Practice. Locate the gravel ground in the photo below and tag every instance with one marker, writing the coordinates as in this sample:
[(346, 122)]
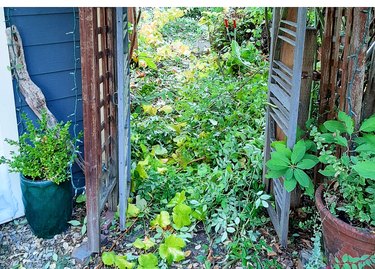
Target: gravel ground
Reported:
[(19, 248)]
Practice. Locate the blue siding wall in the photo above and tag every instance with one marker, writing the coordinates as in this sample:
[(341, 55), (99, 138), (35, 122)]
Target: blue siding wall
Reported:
[(52, 56)]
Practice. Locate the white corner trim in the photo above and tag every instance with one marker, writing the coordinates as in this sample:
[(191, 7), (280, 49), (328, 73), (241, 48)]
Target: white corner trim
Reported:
[(11, 205)]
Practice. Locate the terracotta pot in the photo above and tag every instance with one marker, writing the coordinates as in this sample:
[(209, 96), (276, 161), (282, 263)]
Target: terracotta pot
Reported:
[(341, 238)]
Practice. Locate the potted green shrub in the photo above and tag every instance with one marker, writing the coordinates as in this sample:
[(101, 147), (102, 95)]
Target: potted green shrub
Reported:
[(43, 158), (346, 201)]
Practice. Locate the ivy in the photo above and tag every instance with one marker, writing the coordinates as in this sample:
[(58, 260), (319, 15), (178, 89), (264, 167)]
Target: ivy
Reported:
[(148, 261), (110, 258), (162, 220), (145, 244), (171, 250)]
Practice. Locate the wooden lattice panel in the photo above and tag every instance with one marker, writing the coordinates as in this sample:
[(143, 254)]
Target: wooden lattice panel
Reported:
[(100, 115), (343, 55)]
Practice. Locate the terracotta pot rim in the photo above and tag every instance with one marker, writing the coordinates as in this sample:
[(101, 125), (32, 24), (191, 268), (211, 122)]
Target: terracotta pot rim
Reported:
[(324, 211)]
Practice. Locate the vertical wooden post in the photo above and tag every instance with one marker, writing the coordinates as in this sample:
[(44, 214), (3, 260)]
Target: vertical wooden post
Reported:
[(113, 86), (90, 98), (345, 59), (307, 70), (326, 65), (132, 18), (368, 107), (122, 89), (358, 47)]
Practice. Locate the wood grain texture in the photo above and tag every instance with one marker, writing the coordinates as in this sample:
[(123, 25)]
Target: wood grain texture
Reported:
[(288, 95), (33, 94), (324, 97), (91, 119), (357, 64)]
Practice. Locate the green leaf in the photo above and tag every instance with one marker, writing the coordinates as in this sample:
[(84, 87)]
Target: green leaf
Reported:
[(84, 229), (150, 63), (328, 171), (302, 178), (166, 109), (334, 125), (280, 146), (290, 185), (159, 150), (275, 164), (81, 198), (148, 261), (162, 220), (141, 171), (310, 145), (298, 152), (328, 137), (342, 141), (307, 163), (311, 157), (132, 211), (289, 173), (310, 189), (108, 258), (349, 122), (231, 230), (365, 169), (213, 122), (122, 263), (150, 110), (140, 203), (367, 143), (275, 173), (179, 198), (370, 190), (181, 215), (145, 244), (368, 125), (74, 222), (280, 157), (171, 250), (324, 158)]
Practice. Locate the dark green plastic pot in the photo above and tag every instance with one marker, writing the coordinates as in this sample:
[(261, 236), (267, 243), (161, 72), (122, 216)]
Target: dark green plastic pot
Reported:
[(48, 206)]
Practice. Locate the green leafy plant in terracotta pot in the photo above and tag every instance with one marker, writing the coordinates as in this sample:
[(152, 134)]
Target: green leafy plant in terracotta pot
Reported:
[(43, 158), (346, 202)]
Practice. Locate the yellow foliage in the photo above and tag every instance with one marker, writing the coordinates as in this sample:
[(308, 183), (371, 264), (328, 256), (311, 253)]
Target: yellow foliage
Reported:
[(149, 109), (166, 109), (177, 127), (203, 134), (165, 160), (150, 35), (163, 17), (162, 170), (164, 52), (188, 75), (180, 48)]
